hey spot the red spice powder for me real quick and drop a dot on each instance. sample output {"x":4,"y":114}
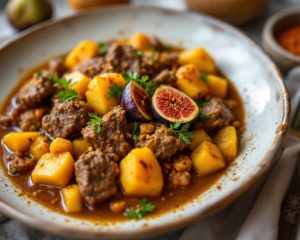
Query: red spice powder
{"x":290,"y":39}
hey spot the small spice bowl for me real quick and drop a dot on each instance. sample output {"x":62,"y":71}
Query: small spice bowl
{"x":276,"y":25}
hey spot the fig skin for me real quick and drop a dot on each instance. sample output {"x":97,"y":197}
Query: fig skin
{"x":159,"y":115}
{"x":136,"y":101}
{"x":23,"y":14}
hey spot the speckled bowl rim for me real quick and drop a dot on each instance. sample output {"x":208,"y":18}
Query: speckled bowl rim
{"x":262,"y":167}
{"x":268,"y":32}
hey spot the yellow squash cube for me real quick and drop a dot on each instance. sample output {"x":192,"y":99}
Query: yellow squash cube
{"x":207,"y":159}
{"x":97,"y":94}
{"x":188,"y":81}
{"x":79,"y":146}
{"x":83,"y":51}
{"x":39,"y":147}
{"x":140,"y":41}
{"x":218,"y":87}
{"x":79,"y":82}
{"x":60,"y":145}
{"x":72,"y":201}
{"x":20,"y":141}
{"x":140,"y":173}
{"x":199,"y":137}
{"x":227,"y":141}
{"x":200,"y":58}
{"x":54,"y":169}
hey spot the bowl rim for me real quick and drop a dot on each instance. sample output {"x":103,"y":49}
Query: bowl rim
{"x":262,"y":167}
{"x":268,"y":32}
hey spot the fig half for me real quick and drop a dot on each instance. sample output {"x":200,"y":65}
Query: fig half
{"x":171,"y":105}
{"x":136,"y":101}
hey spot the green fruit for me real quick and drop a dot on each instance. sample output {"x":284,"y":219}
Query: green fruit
{"x":26,"y":13}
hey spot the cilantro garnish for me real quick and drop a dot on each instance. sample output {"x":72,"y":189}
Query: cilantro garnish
{"x":139,"y":53}
{"x":203,"y":117}
{"x":201,"y":103}
{"x":102,"y":48}
{"x":67,"y":95}
{"x":115,"y":91}
{"x":182,"y":131}
{"x":136,"y":132}
{"x":138,"y":213}
{"x":95,"y":121}
{"x":203,"y":77}
{"x":144,"y":81}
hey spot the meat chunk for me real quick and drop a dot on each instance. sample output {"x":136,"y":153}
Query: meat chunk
{"x":166,"y":77}
{"x":114,"y":138}
{"x":180,"y":175}
{"x":19,"y":163}
{"x":57,"y":65}
{"x":156,"y":43}
{"x":96,"y":176}
{"x":35,"y":92}
{"x":92,"y":67}
{"x":31,"y":120}
{"x":217,"y":115}
{"x":162,"y":141}
{"x":65,"y":118}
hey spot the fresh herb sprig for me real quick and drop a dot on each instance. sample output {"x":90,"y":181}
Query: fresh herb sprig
{"x":145,"y":207}
{"x":139,"y":53}
{"x":67,"y":95}
{"x":201,"y":103}
{"x":203,"y":117}
{"x":203,"y":77}
{"x":115,"y":91}
{"x":136,"y":131}
{"x":152,"y":54}
{"x":95,"y":121}
{"x":102,"y":49}
{"x":182,"y":131}
{"x":144,"y":81}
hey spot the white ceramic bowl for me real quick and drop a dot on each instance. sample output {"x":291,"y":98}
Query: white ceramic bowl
{"x":262,"y":90}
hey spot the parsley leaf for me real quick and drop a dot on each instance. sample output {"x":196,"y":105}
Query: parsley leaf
{"x":182,"y":131}
{"x":136,"y":131}
{"x":203,"y":77}
{"x":95,"y":121}
{"x":115,"y":91}
{"x":67,"y":95}
{"x":203,"y":117}
{"x":201,"y":103}
{"x":144,"y":81}
{"x":102,"y":48}
{"x":144,"y":208}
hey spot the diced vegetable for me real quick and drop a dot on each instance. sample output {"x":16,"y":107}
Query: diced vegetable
{"x":39,"y":147}
{"x":79,"y":146}
{"x":79,"y":82}
{"x":188,"y":81}
{"x":218,"y":86}
{"x":83,"y":51}
{"x":140,"y":173}
{"x":54,"y":169}
{"x":207,"y":159}
{"x":72,"y":199}
{"x":199,"y":137}
{"x":20,"y":141}
{"x":140,"y":41}
{"x":60,"y":145}
{"x":200,"y":58}
{"x":226,"y":139}
{"x":97,"y":94}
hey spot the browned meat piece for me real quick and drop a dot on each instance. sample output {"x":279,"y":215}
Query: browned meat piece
{"x":156,"y":43}
{"x":166,"y":77}
{"x":163,"y":143}
{"x":6,"y":121}
{"x":33,"y":93}
{"x":147,"y":128}
{"x":96,"y":176}
{"x":114,"y":138}
{"x":217,"y":115}
{"x":57,"y":65}
{"x":66,"y":118}
{"x":180,"y":175}
{"x":92,"y":67}
{"x":31,"y":120}
{"x":20,"y":163}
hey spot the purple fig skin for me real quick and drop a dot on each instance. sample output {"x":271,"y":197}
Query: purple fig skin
{"x":128,"y":102}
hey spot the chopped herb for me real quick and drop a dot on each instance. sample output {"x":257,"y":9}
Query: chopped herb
{"x":152,"y":56}
{"x":67,"y":95}
{"x":136,"y":132}
{"x":182,"y":131}
{"x":201,"y":103}
{"x":62,"y":82}
{"x":203,"y":77}
{"x":139,"y":53}
{"x":144,"y":208}
{"x":95,"y":121}
{"x":39,"y":73}
{"x":203,"y":117}
{"x":102,"y":48}
{"x":13,"y":171}
{"x":144,"y":81}
{"x":115,"y":91}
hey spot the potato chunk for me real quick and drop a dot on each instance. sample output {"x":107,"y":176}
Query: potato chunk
{"x":207,"y":159}
{"x":140,"y":41}
{"x":79,"y":146}
{"x":218,"y":87}
{"x":39,"y":147}
{"x":20,"y":141}
{"x":200,"y":58}
{"x":188,"y":81}
{"x":79,"y":82}
{"x":227,"y":140}
{"x":97,"y":95}
{"x":140,"y":173}
{"x":72,"y":201}
{"x":83,"y":51}
{"x":199,"y":137}
{"x":60,"y":145}
{"x":54,"y":169}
